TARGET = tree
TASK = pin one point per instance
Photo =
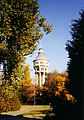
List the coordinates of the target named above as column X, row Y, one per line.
column 56, row 84
column 20, row 30
column 75, row 48
column 51, row 81
column 58, row 95
column 27, row 87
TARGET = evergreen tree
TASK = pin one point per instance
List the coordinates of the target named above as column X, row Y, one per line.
column 75, row 48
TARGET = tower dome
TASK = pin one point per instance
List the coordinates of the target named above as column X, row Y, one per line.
column 41, row 55
column 41, row 64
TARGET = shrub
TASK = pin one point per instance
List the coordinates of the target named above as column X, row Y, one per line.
column 9, row 104
column 9, row 100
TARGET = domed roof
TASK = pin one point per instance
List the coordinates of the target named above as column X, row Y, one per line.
column 41, row 55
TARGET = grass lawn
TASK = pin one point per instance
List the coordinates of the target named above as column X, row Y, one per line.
column 31, row 111
column 23, row 107
column 38, row 112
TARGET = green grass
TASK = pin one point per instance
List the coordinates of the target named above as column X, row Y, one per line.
column 38, row 112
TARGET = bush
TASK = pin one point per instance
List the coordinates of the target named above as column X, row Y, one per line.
column 9, row 104
column 9, row 100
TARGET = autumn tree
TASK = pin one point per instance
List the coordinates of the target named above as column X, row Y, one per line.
column 27, row 87
column 58, row 95
column 51, row 81
column 56, row 84
column 75, row 48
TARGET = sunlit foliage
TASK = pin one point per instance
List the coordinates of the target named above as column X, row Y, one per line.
column 27, row 87
column 9, row 100
column 20, row 30
column 56, row 84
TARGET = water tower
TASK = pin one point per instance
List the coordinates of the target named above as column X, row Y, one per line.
column 41, row 65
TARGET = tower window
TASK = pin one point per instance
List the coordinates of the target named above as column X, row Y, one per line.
column 36, row 62
column 41, row 62
column 38, row 68
column 42, row 68
column 45, row 69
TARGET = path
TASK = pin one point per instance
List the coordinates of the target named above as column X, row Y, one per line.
column 9, row 117
column 20, row 112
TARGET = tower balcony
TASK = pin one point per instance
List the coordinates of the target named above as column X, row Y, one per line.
column 41, row 63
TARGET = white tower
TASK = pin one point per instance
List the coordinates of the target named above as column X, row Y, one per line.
column 41, row 65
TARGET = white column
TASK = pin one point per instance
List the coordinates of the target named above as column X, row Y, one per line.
column 43, row 77
column 40, row 79
column 36, row 77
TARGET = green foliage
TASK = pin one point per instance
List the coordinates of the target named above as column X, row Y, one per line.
column 20, row 30
column 25, row 73
column 75, row 48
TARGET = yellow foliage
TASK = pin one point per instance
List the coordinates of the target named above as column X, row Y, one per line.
column 61, row 88
column 27, row 88
column 70, row 97
column 61, row 81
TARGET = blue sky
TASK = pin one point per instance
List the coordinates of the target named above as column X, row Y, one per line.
column 59, row 14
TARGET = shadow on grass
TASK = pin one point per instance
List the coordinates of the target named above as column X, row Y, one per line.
column 38, row 112
column 43, row 111
column 19, row 117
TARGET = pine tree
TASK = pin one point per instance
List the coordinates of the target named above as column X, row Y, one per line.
column 75, row 48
